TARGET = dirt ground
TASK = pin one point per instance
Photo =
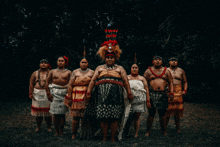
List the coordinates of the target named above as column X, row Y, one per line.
column 199, row 127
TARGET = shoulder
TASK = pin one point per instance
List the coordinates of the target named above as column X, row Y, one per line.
column 142, row 78
column 69, row 71
column 74, row 71
column 181, row 70
column 34, row 73
column 100, row 66
column 92, row 71
column 147, row 70
column 129, row 77
column 120, row 67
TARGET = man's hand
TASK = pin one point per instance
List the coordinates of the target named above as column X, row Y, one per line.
column 31, row 96
column 148, row 105
column 183, row 93
column 87, row 98
column 50, row 98
column 130, row 97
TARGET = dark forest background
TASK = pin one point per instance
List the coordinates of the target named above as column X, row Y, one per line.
column 36, row 29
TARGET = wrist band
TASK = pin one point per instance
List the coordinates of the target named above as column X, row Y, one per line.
column 129, row 94
column 185, row 91
column 171, row 93
column 68, row 97
column 148, row 100
column 88, row 93
column 48, row 94
column 30, row 93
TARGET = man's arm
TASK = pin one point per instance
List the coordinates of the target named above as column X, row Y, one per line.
column 146, row 75
column 147, row 92
column 47, row 85
column 185, row 83
column 94, row 78
column 170, row 81
column 126, row 83
column 31, row 85
column 71, row 82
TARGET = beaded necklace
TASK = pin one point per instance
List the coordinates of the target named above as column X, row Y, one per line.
column 156, row 74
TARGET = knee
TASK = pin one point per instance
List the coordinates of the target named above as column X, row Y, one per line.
column 161, row 113
column 152, row 112
column 76, row 118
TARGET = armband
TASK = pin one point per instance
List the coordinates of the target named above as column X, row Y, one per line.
column 171, row 93
column 185, row 91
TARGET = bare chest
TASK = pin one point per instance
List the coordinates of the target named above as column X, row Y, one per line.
column 62, row 75
column 176, row 74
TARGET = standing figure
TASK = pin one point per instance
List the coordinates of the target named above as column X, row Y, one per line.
column 175, row 106
column 108, row 94
column 40, row 105
column 58, row 89
column 158, row 80
column 139, row 89
column 76, row 92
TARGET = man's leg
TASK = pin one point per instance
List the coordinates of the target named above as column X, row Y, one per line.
column 177, row 122
column 104, row 126
column 114, row 127
column 162, row 119
column 62, row 123
column 48, row 120
column 75, row 126
column 56, row 122
column 39, row 122
column 137, row 123
column 150, row 120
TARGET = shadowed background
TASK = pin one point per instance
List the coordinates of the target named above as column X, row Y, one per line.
column 32, row 30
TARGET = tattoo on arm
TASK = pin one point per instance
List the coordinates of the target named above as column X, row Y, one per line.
column 48, row 81
column 170, row 80
column 185, row 83
column 146, row 88
column 32, row 82
column 71, row 82
column 125, row 80
column 94, row 78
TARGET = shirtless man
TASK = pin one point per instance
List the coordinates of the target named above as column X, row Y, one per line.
column 159, row 79
column 76, row 91
column 40, row 104
column 175, row 106
column 60, row 78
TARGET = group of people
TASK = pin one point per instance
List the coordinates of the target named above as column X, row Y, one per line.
column 107, row 97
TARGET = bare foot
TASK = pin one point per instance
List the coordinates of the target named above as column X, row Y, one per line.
column 136, row 135
column 49, row 130
column 164, row 133
column 147, row 134
column 73, row 136
column 38, row 129
column 113, row 140
column 178, row 130
column 57, row 134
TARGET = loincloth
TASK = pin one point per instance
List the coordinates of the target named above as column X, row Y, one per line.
column 58, row 92
column 40, row 104
column 159, row 99
column 175, row 107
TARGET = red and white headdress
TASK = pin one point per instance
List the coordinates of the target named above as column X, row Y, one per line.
column 110, row 47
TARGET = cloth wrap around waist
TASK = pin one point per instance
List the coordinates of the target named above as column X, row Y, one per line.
column 58, row 92
column 77, row 104
column 40, row 104
column 159, row 99
column 176, row 105
column 139, row 94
